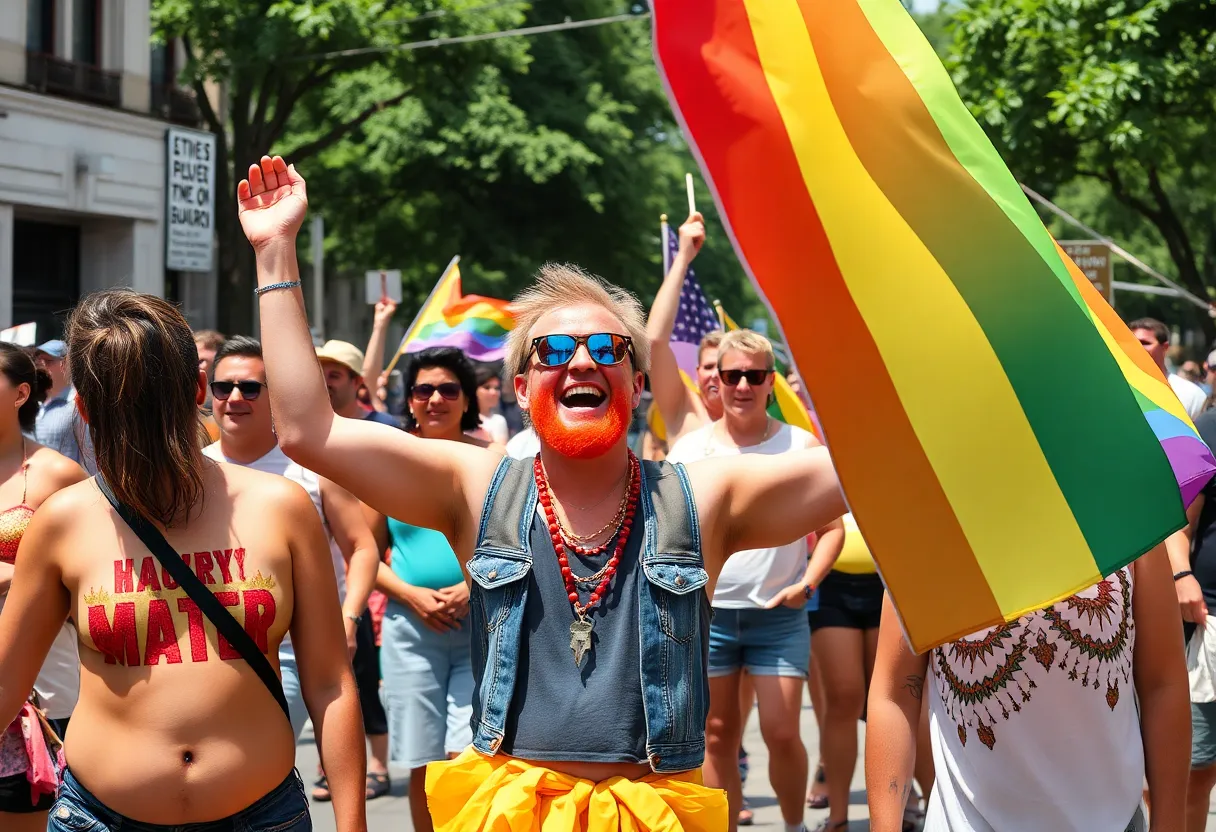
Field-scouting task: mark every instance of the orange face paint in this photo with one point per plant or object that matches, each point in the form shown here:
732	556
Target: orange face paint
573	434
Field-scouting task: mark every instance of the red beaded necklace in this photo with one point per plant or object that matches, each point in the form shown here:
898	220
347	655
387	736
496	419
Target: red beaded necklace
580	630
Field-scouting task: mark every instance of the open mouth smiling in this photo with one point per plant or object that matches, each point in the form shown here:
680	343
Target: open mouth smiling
583	397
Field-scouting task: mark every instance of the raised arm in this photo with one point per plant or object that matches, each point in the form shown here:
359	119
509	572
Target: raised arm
892	720
326	678
373	358
671	395
754	501
35	609
1178	547
423	483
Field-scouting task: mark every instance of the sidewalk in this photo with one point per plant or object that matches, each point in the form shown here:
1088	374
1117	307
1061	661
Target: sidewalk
392	813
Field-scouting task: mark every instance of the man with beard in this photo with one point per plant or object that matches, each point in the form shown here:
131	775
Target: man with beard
683	411
589	569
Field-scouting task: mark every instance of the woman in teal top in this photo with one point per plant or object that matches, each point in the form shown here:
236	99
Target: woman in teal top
424	652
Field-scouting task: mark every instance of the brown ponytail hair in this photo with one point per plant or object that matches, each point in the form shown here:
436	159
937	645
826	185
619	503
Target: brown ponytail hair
134	363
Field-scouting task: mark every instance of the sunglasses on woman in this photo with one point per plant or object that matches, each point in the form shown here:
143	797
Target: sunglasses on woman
250	390
731	378
606	349
449	390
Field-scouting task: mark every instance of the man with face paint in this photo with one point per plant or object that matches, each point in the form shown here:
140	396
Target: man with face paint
590	572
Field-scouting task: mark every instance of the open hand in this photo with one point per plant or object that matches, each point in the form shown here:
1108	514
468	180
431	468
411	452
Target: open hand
271	203
692	235
792	596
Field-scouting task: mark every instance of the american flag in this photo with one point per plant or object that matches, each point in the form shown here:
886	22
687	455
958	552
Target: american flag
694	319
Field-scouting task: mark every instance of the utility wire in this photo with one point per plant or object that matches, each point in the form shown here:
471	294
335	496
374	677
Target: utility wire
1117	249
437	13
508	33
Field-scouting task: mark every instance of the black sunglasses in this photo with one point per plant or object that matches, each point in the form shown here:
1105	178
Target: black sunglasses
605	348
250	390
731	378
450	390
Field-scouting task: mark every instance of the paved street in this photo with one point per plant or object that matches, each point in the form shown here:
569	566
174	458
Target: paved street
391	814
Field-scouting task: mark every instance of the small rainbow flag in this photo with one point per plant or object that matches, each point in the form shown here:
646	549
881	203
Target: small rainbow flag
478	325
1002	439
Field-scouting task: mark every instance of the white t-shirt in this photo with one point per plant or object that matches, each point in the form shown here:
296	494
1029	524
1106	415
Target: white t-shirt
523	445
58	682
496	426
752	577
1189	393
1034	725
277	462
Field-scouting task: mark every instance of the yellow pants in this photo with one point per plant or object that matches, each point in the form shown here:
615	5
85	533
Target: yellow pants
474	793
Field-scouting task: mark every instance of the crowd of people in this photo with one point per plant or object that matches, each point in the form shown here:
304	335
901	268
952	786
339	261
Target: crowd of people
501	583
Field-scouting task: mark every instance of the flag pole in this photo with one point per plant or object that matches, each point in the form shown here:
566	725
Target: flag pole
664	230
421	311
721	314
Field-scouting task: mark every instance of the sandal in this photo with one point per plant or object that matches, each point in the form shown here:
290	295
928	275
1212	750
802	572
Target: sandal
320	791
746	816
378	784
818	801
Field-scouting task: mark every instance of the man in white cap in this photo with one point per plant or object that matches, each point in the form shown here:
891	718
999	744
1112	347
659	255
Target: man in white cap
342	364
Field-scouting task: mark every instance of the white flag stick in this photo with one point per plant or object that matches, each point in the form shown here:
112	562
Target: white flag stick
692	202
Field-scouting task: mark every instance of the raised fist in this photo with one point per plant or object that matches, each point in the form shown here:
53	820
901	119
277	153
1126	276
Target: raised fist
692	235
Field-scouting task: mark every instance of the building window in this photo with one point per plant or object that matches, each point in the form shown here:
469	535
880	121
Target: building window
40	26
86	32
46	274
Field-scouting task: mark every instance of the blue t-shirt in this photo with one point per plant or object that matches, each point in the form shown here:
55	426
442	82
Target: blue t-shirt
382	418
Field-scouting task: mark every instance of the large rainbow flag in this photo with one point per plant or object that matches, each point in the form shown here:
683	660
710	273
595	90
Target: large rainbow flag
1002	439
478	325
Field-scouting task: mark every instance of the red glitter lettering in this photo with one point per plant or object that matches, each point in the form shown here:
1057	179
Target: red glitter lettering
259	615
239	554
226	650
203	567
147	576
223	557
124	576
162	635
194	621
118	642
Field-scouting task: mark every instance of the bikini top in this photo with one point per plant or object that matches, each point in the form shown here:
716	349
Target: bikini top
14	521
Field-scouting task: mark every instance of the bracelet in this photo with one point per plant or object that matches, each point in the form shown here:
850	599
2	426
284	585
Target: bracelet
355	618
1184	574
290	284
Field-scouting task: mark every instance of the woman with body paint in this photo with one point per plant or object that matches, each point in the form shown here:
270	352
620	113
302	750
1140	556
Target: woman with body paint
173	727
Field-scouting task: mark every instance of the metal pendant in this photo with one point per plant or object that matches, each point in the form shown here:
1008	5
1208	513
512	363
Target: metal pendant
580	639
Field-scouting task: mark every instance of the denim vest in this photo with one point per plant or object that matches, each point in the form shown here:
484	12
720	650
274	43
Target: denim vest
674	611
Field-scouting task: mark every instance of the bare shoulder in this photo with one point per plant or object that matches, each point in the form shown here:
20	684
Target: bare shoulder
68	506
53	468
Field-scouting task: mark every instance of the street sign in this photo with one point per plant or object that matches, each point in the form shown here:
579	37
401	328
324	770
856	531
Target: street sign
383	284
1093	258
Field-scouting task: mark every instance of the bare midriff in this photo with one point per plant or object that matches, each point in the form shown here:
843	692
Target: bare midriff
198	748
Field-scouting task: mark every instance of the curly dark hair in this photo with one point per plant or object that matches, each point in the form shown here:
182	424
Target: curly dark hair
459	365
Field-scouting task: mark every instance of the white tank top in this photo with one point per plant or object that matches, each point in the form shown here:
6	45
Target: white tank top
1035	725
277	462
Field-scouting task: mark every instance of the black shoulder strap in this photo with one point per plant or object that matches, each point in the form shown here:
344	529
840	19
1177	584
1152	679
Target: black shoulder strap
204	599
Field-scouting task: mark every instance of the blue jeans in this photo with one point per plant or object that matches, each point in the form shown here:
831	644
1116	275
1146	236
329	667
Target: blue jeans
284	809
767	642
294	693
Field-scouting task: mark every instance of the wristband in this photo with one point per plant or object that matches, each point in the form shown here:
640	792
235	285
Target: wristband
290	284
1184	574
355	618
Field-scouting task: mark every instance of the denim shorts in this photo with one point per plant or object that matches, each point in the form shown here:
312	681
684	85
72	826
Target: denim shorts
284	809
428	688
766	642
1203	734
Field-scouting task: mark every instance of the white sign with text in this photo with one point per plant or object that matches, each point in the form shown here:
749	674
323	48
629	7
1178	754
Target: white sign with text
190	200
